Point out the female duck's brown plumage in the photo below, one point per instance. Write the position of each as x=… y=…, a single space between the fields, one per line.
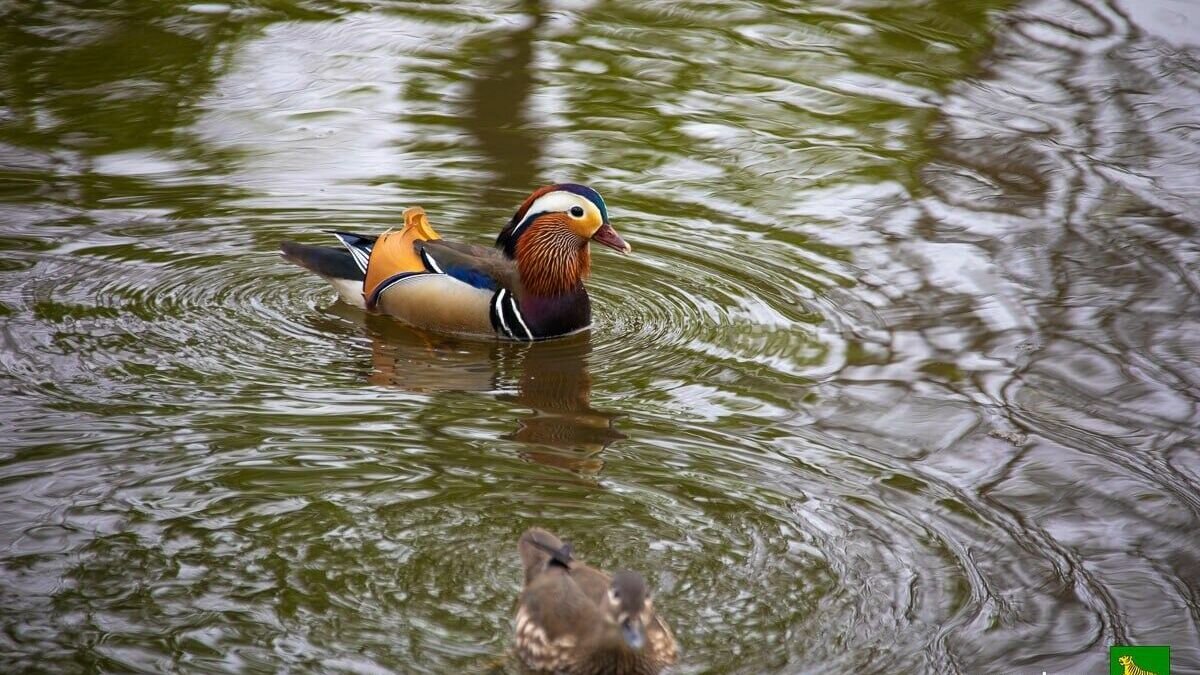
x=574 y=619
x=530 y=287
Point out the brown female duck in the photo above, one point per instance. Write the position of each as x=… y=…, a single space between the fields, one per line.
x=574 y=619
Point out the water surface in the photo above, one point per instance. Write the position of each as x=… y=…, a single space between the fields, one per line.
x=902 y=377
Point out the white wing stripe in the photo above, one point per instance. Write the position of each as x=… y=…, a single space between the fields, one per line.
x=431 y=262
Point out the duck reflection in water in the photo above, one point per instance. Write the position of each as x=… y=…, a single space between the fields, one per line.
x=549 y=378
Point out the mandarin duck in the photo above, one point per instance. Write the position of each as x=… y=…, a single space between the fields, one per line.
x=574 y=619
x=529 y=287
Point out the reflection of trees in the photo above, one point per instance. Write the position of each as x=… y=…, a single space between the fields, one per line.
x=111 y=77
x=496 y=111
x=820 y=99
x=499 y=96
x=1045 y=284
x=1078 y=196
x=77 y=82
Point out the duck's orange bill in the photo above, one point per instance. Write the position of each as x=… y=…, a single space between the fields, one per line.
x=608 y=236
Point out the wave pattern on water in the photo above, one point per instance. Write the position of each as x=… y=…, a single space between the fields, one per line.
x=901 y=376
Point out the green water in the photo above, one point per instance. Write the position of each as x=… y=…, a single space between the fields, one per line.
x=903 y=375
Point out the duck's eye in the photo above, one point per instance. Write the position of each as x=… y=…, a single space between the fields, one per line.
x=577 y=211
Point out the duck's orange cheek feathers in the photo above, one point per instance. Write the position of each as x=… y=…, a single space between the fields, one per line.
x=586 y=226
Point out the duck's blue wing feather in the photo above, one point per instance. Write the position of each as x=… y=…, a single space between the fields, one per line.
x=476 y=277
x=472 y=265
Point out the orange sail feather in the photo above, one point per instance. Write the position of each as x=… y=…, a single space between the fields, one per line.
x=394 y=253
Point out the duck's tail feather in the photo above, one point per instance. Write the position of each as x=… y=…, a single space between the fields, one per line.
x=359 y=246
x=335 y=265
x=329 y=262
x=539 y=549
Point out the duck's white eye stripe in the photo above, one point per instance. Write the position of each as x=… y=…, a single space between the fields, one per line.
x=554 y=202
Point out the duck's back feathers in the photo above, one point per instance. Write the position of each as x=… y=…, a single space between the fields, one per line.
x=475 y=265
x=358 y=246
x=539 y=549
x=553 y=607
x=404 y=280
x=414 y=275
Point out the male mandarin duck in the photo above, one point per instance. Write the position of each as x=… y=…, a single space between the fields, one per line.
x=529 y=287
x=575 y=619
